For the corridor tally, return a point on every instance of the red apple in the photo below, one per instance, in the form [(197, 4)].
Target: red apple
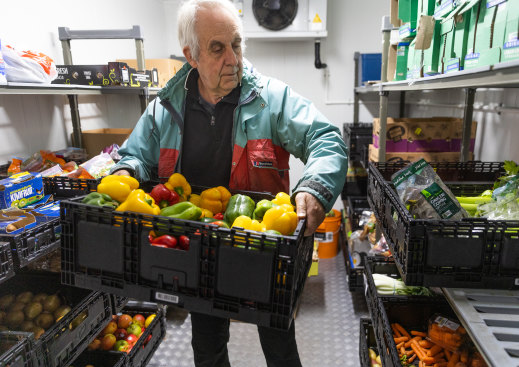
[(139, 319), (132, 339), (120, 334), (110, 328), (121, 346)]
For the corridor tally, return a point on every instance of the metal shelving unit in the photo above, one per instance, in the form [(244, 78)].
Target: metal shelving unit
[(61, 89), (491, 318)]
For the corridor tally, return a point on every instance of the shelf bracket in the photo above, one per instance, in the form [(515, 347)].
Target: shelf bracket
[(467, 124), (356, 99)]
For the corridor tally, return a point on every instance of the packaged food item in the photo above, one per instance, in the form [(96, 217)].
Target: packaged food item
[(447, 333), (15, 166), (20, 190), (99, 166), (424, 193)]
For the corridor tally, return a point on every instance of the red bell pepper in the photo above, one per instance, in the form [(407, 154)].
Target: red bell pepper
[(183, 242), (163, 196), (164, 240), (218, 216)]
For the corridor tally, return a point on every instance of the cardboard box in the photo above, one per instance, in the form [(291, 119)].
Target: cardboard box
[(454, 37), (393, 14), (402, 54), (510, 49), (425, 7), (428, 40), (20, 190), (436, 134), (407, 31), (412, 157), (443, 8), (407, 11), (391, 62), (94, 141), (414, 62), (488, 26), (166, 68)]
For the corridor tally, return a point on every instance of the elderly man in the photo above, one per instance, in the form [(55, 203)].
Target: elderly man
[(219, 122)]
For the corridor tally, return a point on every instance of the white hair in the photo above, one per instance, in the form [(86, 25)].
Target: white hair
[(187, 18)]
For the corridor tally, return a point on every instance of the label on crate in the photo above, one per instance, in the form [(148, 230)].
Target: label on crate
[(323, 236), (170, 298), (440, 201), (444, 322)]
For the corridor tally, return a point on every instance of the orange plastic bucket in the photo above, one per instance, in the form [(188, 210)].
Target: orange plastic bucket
[(327, 234)]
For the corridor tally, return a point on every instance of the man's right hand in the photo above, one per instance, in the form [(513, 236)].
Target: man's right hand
[(121, 172)]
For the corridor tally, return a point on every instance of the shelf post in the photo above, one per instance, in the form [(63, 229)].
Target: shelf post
[(356, 100), (467, 124), (386, 35), (77, 140), (401, 111), (384, 97)]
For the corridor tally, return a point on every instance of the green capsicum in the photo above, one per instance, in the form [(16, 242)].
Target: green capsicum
[(238, 205), (261, 207), (184, 210), (99, 199)]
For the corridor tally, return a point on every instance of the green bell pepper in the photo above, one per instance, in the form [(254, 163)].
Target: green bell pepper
[(261, 207), (99, 199), (238, 205), (184, 210)]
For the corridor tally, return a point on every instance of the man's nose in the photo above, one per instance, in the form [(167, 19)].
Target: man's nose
[(231, 58)]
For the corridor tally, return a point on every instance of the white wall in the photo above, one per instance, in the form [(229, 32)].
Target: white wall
[(30, 123)]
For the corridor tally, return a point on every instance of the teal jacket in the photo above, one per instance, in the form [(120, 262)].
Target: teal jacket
[(271, 122)]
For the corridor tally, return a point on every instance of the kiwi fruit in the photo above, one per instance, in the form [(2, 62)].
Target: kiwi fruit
[(39, 297), (24, 297), (27, 325), (44, 320), (51, 303), (17, 306), (38, 331), (5, 301), (14, 319), (32, 310), (61, 311)]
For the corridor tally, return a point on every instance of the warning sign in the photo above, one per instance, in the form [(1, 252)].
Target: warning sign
[(317, 23)]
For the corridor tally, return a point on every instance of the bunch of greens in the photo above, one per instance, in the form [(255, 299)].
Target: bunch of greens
[(387, 286), (505, 197)]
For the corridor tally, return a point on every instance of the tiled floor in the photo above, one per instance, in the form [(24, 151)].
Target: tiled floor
[(327, 327)]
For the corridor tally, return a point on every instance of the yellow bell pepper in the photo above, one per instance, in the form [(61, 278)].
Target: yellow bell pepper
[(178, 183), (140, 202), (206, 213), (246, 223), (195, 199), (280, 219), (117, 187), (282, 198), (215, 199)]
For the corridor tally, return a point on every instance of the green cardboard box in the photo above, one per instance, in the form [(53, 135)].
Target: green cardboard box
[(425, 7), (489, 27), (407, 31), (414, 62), (455, 32), (510, 49), (407, 11), (401, 61), (431, 55)]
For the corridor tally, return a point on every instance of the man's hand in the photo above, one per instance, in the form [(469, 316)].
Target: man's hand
[(121, 172), (307, 206)]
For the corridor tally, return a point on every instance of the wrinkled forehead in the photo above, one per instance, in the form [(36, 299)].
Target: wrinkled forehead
[(216, 22)]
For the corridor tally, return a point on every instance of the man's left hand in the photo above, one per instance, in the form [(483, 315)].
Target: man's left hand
[(307, 206)]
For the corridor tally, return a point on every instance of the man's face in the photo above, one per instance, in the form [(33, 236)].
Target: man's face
[(220, 60)]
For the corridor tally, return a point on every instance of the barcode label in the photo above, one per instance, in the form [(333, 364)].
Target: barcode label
[(323, 236), (170, 298)]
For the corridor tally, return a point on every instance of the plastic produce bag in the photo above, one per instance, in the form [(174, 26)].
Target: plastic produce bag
[(425, 194), (28, 66), (3, 80)]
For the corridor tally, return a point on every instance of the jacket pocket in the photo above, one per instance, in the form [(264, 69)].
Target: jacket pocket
[(266, 172)]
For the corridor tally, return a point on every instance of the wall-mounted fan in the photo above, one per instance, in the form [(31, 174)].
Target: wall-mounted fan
[(274, 14)]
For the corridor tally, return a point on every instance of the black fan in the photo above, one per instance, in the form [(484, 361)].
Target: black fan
[(274, 14)]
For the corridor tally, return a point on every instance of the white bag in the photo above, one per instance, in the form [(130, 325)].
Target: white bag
[(28, 66)]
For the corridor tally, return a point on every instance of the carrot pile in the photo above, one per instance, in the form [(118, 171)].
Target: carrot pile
[(416, 346)]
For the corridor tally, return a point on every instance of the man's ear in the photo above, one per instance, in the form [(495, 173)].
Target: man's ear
[(187, 53)]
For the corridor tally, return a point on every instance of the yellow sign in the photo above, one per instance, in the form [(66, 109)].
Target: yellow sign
[(317, 19)]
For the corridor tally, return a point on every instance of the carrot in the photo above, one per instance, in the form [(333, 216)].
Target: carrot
[(399, 345), (448, 354), (430, 360), (412, 358), (420, 364), (418, 333), (464, 357), (402, 330), (395, 330), (401, 339), (454, 359), (434, 350), (426, 344), (418, 350), (440, 364), (402, 351), (408, 343)]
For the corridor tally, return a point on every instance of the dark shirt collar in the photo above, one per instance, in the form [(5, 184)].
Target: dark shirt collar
[(193, 92)]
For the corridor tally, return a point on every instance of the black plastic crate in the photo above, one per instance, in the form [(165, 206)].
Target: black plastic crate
[(3, 170), (99, 358), (6, 262), (247, 276), (66, 187), (16, 349), (355, 186), (356, 136), (355, 206), (118, 303), (62, 342), (354, 274), (34, 243), (412, 315), (388, 267), (366, 341), (471, 253)]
